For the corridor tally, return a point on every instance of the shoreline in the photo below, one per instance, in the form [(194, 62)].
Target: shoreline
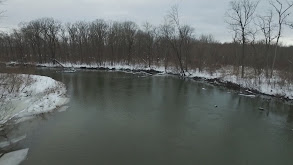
[(217, 79), (43, 95)]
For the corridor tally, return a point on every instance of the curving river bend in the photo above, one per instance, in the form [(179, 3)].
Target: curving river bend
[(124, 119)]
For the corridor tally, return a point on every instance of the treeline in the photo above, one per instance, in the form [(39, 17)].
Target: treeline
[(170, 45)]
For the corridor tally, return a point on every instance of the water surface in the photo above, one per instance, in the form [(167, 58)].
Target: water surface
[(118, 118)]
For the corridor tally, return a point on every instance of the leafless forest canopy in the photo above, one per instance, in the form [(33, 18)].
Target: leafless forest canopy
[(256, 42)]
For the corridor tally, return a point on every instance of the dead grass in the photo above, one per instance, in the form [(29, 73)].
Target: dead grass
[(11, 84)]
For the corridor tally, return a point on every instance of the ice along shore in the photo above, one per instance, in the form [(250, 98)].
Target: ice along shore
[(225, 76), (23, 97)]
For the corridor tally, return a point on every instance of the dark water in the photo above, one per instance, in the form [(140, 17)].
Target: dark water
[(124, 119)]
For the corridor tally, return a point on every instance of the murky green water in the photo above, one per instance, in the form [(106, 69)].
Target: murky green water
[(126, 119)]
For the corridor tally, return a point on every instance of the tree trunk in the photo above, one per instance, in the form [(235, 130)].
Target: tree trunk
[(243, 54)]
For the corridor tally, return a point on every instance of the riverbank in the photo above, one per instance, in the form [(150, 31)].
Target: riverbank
[(249, 85), (24, 96), (105, 105)]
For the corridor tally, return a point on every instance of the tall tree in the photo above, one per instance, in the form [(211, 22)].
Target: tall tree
[(266, 26), (33, 32), (282, 13), (240, 17), (150, 33), (177, 35), (51, 30), (98, 35), (129, 32)]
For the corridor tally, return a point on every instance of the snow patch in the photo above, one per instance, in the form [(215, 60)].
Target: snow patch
[(63, 109), (12, 141), (14, 158), (43, 95), (252, 96), (23, 119), (271, 86)]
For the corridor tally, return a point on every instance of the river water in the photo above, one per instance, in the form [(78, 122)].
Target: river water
[(117, 118)]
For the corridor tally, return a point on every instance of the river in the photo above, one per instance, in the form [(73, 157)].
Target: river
[(126, 119)]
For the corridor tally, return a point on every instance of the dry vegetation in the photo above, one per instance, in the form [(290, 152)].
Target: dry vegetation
[(11, 84)]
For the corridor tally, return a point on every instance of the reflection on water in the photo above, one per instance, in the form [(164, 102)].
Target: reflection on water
[(123, 118)]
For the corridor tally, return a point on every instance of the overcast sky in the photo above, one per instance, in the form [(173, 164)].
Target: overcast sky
[(206, 16)]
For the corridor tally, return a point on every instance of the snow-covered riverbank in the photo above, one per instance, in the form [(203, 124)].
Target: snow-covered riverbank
[(14, 158), (275, 86), (22, 97), (34, 95)]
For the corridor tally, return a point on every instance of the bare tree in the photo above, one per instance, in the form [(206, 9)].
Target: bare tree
[(266, 26), (113, 40), (204, 50), (98, 34), (255, 61), (172, 45), (73, 37), (81, 30), (19, 41), (187, 37), (239, 18), (64, 44), (177, 35), (35, 38), (129, 32), (50, 30), (150, 34), (282, 13)]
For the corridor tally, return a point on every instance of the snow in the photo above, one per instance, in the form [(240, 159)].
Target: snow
[(247, 95), (23, 119), (63, 109), (42, 95), (33, 95), (12, 141), (273, 86), (14, 158)]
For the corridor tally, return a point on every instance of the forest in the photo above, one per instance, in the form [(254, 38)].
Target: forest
[(255, 43)]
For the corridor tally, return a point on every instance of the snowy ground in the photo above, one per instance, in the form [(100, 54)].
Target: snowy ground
[(14, 158), (21, 98), (34, 95), (275, 86)]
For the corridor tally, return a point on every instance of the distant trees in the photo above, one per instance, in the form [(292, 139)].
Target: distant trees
[(33, 32), (206, 52), (240, 17), (51, 30), (266, 27), (129, 32), (150, 34), (171, 45), (113, 40), (179, 37), (98, 30), (41, 36), (263, 32), (282, 14)]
